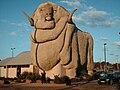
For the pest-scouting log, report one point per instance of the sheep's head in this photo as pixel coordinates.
(47, 15)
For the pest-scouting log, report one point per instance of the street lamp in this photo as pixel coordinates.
(105, 56)
(117, 62)
(12, 49)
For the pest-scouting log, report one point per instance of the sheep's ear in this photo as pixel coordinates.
(29, 18)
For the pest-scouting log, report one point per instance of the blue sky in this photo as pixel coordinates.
(101, 18)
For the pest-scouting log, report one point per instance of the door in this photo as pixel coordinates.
(18, 70)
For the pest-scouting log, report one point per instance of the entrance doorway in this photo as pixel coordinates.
(18, 70)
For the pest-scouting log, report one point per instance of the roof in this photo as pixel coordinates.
(5, 61)
(21, 59)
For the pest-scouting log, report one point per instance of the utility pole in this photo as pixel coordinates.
(100, 64)
(105, 56)
(117, 62)
(12, 49)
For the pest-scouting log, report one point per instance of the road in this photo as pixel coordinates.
(92, 85)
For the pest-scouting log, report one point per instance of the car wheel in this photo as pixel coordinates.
(99, 83)
(119, 81)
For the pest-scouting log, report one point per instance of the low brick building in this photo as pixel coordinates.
(13, 67)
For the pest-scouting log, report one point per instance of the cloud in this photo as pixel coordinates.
(96, 18)
(111, 22)
(13, 33)
(76, 3)
(71, 3)
(94, 14)
(19, 32)
(15, 24)
(90, 16)
(117, 43)
(5, 21)
(104, 39)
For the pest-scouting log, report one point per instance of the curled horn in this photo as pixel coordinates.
(29, 18)
(70, 16)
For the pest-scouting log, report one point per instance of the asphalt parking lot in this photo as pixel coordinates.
(92, 85)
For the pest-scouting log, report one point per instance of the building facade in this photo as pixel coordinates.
(13, 67)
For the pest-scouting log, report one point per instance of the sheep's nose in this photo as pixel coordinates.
(49, 13)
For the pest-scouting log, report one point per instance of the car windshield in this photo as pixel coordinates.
(117, 74)
(106, 74)
(110, 75)
(103, 75)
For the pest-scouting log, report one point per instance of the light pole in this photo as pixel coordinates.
(100, 64)
(105, 56)
(12, 49)
(117, 62)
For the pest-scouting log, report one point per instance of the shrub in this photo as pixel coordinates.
(48, 80)
(29, 75)
(87, 77)
(76, 79)
(2, 78)
(23, 75)
(33, 77)
(63, 79)
(57, 79)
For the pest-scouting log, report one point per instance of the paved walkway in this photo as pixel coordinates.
(33, 86)
(84, 85)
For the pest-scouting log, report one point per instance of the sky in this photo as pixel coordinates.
(101, 18)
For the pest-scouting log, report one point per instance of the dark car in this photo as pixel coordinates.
(96, 74)
(109, 78)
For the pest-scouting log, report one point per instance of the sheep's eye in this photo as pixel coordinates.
(41, 9)
(55, 10)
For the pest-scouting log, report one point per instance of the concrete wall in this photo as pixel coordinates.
(2, 72)
(12, 72)
(30, 69)
(57, 70)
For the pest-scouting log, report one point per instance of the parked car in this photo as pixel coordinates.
(96, 74)
(109, 78)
